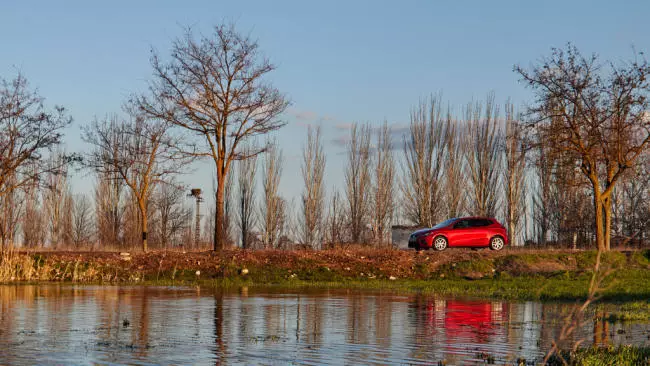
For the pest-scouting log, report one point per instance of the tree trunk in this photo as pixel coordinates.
(219, 234)
(598, 209)
(607, 208)
(143, 216)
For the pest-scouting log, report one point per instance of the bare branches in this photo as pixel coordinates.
(214, 88)
(273, 210)
(246, 170)
(483, 156)
(27, 132)
(357, 180)
(384, 186)
(313, 169)
(424, 153)
(515, 175)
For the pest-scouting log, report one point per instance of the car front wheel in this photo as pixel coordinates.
(497, 243)
(439, 243)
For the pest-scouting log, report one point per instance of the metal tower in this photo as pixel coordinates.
(196, 193)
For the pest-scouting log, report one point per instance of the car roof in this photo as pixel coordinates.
(474, 217)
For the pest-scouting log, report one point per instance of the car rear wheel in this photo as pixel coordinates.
(497, 243)
(439, 243)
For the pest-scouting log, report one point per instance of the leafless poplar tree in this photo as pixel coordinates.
(246, 170)
(55, 198)
(171, 214)
(11, 211)
(272, 210)
(140, 151)
(313, 169)
(358, 181)
(599, 119)
(82, 221)
(336, 220)
(455, 195)
(109, 191)
(384, 186)
(215, 88)
(515, 175)
(424, 153)
(483, 156)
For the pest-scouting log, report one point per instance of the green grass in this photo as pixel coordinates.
(597, 356)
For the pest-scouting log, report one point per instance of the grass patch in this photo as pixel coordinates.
(601, 356)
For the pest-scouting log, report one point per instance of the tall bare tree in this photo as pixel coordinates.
(246, 170)
(455, 196)
(515, 175)
(384, 185)
(82, 222)
(215, 88)
(272, 210)
(56, 194)
(171, 214)
(358, 184)
(336, 220)
(599, 118)
(483, 155)
(424, 153)
(140, 151)
(313, 169)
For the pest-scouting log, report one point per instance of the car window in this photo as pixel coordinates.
(461, 224)
(443, 224)
(479, 223)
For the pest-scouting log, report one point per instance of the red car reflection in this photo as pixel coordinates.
(461, 232)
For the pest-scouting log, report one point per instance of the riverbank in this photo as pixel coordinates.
(514, 274)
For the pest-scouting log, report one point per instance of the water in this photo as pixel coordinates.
(162, 325)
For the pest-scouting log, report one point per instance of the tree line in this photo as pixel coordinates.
(570, 168)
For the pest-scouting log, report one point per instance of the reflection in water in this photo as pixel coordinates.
(110, 324)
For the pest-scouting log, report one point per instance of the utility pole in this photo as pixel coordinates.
(196, 193)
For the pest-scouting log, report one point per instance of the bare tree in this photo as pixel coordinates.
(454, 168)
(313, 169)
(246, 170)
(109, 191)
(358, 180)
(424, 154)
(599, 119)
(172, 216)
(140, 151)
(34, 222)
(27, 132)
(272, 210)
(483, 156)
(383, 188)
(336, 220)
(55, 197)
(214, 88)
(82, 222)
(515, 175)
(11, 209)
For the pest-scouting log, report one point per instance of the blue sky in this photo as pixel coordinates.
(338, 61)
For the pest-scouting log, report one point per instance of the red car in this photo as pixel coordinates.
(473, 232)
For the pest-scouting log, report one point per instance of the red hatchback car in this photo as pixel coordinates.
(472, 232)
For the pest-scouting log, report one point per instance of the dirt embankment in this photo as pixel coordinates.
(274, 266)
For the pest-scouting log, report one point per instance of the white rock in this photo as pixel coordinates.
(392, 278)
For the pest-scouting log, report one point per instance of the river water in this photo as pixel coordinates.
(64, 324)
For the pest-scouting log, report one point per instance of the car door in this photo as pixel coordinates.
(476, 232)
(459, 235)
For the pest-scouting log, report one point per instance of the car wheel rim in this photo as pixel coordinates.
(440, 244)
(497, 243)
